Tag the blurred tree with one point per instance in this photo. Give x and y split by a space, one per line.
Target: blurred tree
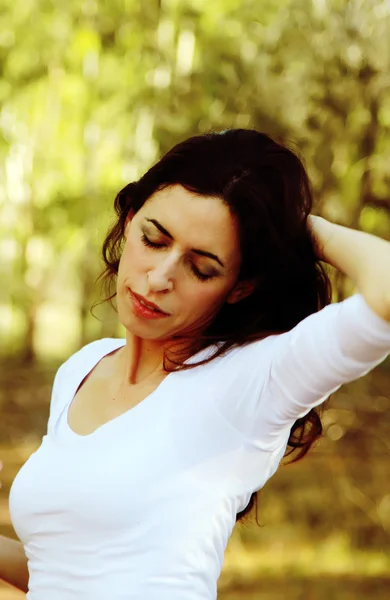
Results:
95 92
92 93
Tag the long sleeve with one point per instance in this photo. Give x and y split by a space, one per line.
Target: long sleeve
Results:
339 344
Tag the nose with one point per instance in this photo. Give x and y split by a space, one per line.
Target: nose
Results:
161 276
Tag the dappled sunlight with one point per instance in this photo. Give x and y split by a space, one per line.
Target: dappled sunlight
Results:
90 97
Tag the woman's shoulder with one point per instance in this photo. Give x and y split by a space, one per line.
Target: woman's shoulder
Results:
245 355
90 352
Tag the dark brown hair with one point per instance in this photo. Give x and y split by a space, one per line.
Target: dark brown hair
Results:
266 187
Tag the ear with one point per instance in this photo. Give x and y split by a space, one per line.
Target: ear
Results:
242 290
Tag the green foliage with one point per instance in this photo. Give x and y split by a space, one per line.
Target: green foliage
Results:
91 93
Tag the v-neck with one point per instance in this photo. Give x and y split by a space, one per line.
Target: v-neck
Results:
64 429
64 417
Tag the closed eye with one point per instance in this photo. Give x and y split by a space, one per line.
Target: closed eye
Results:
151 244
198 274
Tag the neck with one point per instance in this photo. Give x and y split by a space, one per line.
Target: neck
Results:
141 358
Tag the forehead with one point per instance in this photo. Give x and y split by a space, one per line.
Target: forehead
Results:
202 222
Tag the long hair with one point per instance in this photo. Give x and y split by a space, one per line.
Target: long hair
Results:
266 187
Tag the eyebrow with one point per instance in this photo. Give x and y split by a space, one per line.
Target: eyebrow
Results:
195 250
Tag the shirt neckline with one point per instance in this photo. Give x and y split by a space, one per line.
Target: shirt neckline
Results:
64 422
65 429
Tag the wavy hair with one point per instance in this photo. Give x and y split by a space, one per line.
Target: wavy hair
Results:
265 185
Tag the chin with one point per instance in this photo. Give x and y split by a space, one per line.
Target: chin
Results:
145 331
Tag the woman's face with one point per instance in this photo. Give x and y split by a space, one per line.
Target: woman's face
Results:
182 254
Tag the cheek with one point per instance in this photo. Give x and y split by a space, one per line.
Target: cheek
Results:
134 255
203 297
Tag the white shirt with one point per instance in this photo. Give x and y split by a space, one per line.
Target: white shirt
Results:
142 508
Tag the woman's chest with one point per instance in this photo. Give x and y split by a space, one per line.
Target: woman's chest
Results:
97 401
164 451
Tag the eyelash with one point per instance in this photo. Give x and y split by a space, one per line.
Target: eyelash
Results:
195 271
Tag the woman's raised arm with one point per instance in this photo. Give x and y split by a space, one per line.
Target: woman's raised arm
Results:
363 257
336 345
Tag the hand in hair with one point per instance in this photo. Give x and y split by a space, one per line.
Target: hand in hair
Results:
363 257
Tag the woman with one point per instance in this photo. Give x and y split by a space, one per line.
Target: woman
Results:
156 443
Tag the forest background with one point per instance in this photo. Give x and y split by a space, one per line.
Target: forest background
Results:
91 94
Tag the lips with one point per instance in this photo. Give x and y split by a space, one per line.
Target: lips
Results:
148 304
